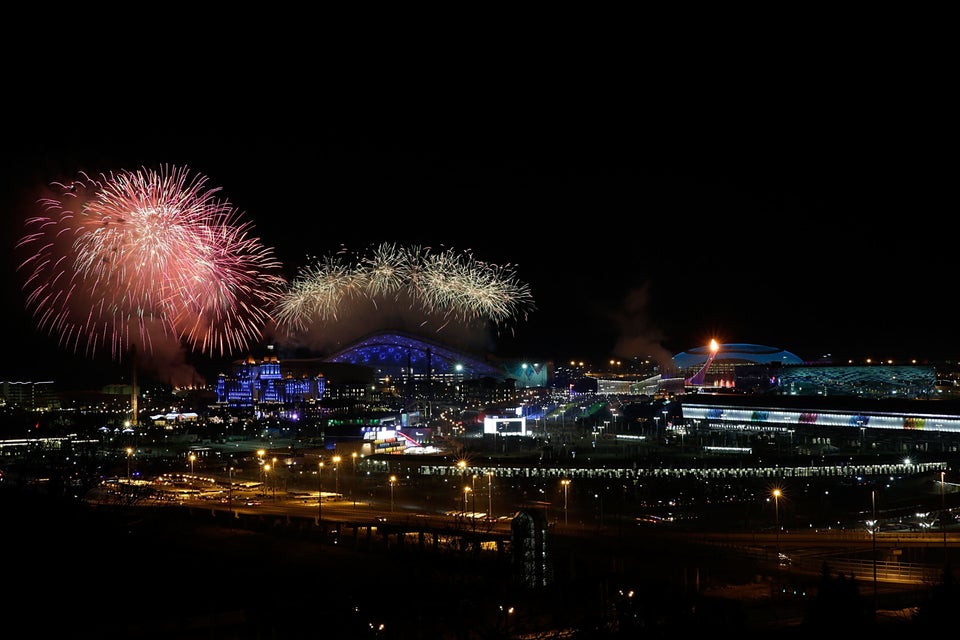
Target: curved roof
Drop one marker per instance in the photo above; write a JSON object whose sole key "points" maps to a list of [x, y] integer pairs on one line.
{"points": [[393, 351], [755, 353]]}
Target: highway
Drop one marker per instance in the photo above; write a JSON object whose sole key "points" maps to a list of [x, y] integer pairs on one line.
{"points": [[893, 556]]}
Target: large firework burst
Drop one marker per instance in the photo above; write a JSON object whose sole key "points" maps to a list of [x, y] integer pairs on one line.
{"points": [[452, 284], [115, 258]]}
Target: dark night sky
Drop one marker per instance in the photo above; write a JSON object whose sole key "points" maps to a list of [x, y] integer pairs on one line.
{"points": [[795, 206]]}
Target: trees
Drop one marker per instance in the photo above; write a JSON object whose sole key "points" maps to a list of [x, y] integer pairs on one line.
{"points": [[940, 607], [838, 603]]}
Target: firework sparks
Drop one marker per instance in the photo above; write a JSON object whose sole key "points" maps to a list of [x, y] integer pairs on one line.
{"points": [[318, 292], [116, 258], [454, 285], [387, 269]]}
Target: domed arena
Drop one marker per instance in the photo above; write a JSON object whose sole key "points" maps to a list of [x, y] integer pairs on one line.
{"points": [[713, 365]]}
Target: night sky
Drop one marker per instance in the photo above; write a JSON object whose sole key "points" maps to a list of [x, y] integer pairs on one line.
{"points": [[801, 208]]}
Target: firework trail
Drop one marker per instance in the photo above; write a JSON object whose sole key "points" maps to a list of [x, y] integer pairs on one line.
{"points": [[454, 285], [115, 259]]}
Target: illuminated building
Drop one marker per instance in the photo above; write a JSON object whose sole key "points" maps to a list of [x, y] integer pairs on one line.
{"points": [[706, 367], [37, 396], [262, 384]]}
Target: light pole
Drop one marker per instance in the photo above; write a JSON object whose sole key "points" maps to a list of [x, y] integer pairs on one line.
{"points": [[230, 487], [393, 481], [466, 491], [505, 612], [336, 473], [260, 454], [319, 492], [193, 458], [353, 456], [129, 453], [266, 479], [776, 512], [943, 514], [489, 495], [566, 487], [873, 504]]}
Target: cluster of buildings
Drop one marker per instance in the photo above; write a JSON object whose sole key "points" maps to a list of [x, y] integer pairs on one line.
{"points": [[391, 381]]}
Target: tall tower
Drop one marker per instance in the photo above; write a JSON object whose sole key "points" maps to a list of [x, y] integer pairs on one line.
{"points": [[134, 392]]}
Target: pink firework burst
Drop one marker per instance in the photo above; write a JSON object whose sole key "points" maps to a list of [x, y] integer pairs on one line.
{"points": [[118, 258]]}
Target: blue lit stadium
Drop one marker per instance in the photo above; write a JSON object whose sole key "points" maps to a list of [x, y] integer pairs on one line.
{"points": [[396, 354]]}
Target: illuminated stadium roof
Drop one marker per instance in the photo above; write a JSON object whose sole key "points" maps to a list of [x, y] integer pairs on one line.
{"points": [[393, 352], [748, 353]]}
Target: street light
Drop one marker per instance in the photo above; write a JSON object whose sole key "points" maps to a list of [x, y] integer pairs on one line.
{"points": [[393, 481], [319, 492], [566, 487], [466, 492], [473, 505], [230, 487], [873, 504], [354, 492], [506, 612], [266, 479], [193, 458], [489, 494], [336, 472], [943, 513], [129, 453], [776, 511]]}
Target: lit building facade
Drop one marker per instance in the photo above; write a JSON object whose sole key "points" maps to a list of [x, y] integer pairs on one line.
{"points": [[262, 384], [33, 396]]}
